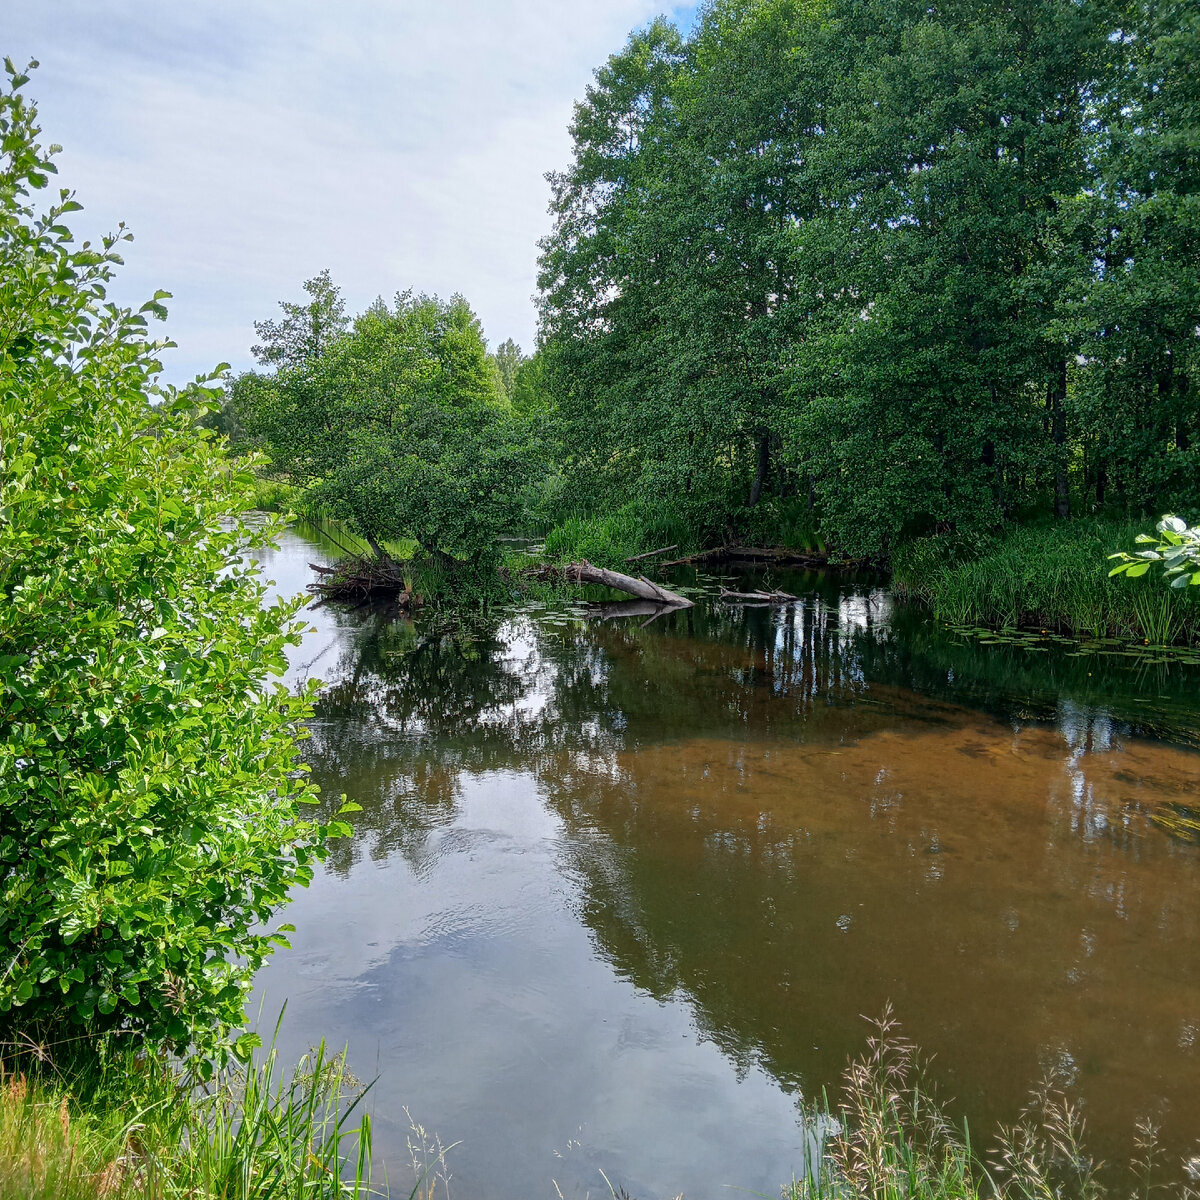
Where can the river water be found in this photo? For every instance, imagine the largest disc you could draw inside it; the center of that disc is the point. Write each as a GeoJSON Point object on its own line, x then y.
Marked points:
{"type": "Point", "coordinates": [621, 894]}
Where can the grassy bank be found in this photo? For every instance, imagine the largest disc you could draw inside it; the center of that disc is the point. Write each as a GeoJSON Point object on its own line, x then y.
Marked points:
{"type": "Point", "coordinates": [138, 1129]}
{"type": "Point", "coordinates": [610, 539]}
{"type": "Point", "coordinates": [1052, 576]}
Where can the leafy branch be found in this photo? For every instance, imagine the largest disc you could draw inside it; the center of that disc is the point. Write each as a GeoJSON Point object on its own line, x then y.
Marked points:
{"type": "Point", "coordinates": [1177, 547]}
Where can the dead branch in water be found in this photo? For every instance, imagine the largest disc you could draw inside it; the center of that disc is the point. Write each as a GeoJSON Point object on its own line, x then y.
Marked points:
{"type": "Point", "coordinates": [584, 572]}
{"type": "Point", "coordinates": [652, 553]}
{"type": "Point", "coordinates": [759, 598]}
{"type": "Point", "coordinates": [361, 576]}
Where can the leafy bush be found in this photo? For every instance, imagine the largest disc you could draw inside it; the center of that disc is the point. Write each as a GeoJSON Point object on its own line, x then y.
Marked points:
{"type": "Point", "coordinates": [148, 762]}
{"type": "Point", "coordinates": [1177, 547]}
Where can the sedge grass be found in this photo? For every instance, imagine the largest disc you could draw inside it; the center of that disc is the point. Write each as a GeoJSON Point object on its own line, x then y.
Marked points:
{"type": "Point", "coordinates": [1049, 576]}
{"type": "Point", "coordinates": [130, 1127]}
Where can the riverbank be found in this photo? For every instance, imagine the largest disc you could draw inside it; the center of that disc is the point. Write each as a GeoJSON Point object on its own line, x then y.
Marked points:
{"type": "Point", "coordinates": [1049, 576]}
{"type": "Point", "coordinates": [120, 1125]}
{"type": "Point", "coordinates": [137, 1130]}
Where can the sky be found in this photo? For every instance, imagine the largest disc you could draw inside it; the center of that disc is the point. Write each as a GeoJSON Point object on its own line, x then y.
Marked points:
{"type": "Point", "coordinates": [250, 143]}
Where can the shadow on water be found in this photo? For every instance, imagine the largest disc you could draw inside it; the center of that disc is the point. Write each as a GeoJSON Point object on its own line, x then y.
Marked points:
{"type": "Point", "coordinates": [621, 890]}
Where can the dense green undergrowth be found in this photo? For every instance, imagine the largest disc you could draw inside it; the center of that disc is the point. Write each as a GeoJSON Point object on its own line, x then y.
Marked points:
{"type": "Point", "coordinates": [1053, 576]}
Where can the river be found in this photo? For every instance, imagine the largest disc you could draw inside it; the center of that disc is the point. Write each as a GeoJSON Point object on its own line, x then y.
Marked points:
{"type": "Point", "coordinates": [621, 894]}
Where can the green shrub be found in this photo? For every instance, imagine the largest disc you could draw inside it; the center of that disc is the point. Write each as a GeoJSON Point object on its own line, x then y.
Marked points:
{"type": "Point", "coordinates": [148, 762]}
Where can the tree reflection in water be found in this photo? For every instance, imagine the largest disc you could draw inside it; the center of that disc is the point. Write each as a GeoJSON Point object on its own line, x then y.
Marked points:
{"type": "Point", "coordinates": [789, 816]}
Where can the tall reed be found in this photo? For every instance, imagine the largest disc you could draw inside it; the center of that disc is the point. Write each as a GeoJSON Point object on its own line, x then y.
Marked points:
{"type": "Point", "coordinates": [1051, 576]}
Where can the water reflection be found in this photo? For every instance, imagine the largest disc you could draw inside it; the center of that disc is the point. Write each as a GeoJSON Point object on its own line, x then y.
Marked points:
{"type": "Point", "coordinates": [643, 878]}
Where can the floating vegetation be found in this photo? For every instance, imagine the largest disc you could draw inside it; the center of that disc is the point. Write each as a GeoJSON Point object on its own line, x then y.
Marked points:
{"type": "Point", "coordinates": [1036, 640]}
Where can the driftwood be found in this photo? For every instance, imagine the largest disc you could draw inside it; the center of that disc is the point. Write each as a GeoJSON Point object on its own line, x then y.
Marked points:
{"type": "Point", "coordinates": [775, 597]}
{"type": "Point", "coordinates": [584, 572]}
{"type": "Point", "coordinates": [652, 553]}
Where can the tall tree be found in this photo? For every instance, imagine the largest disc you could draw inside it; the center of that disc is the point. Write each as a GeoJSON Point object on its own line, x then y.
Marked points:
{"type": "Point", "coordinates": [307, 330]}
{"type": "Point", "coordinates": [398, 427]}
{"type": "Point", "coordinates": [508, 359]}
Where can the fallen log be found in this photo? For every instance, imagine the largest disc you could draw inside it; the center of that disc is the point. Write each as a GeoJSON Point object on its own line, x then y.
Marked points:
{"type": "Point", "coordinates": [652, 553]}
{"type": "Point", "coordinates": [692, 560]}
{"type": "Point", "coordinates": [756, 554]}
{"type": "Point", "coordinates": [643, 589]}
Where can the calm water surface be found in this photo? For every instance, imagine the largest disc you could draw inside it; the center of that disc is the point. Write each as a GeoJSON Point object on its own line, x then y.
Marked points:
{"type": "Point", "coordinates": [621, 894]}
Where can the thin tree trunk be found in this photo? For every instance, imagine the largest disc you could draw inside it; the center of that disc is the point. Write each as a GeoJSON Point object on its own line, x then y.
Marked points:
{"type": "Point", "coordinates": [764, 464]}
{"type": "Point", "coordinates": [1056, 395]}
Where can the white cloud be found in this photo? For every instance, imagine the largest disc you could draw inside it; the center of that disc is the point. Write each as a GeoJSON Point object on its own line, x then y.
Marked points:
{"type": "Point", "coordinates": [248, 145]}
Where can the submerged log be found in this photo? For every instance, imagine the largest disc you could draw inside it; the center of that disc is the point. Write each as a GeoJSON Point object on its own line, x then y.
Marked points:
{"type": "Point", "coordinates": [774, 597]}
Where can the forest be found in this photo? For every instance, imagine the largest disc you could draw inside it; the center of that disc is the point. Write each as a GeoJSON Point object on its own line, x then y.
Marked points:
{"type": "Point", "coordinates": [852, 274]}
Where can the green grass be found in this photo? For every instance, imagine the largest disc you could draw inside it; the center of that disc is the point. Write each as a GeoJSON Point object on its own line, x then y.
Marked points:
{"type": "Point", "coordinates": [138, 1129]}
{"type": "Point", "coordinates": [1053, 576]}
{"type": "Point", "coordinates": [273, 495]}
{"type": "Point", "coordinates": [609, 539]}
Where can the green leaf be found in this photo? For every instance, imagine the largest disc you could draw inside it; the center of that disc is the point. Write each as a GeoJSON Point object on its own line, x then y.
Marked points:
{"type": "Point", "coordinates": [245, 1045]}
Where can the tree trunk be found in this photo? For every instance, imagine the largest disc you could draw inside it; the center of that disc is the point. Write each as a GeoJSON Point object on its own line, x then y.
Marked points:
{"type": "Point", "coordinates": [764, 464]}
{"type": "Point", "coordinates": [1056, 395]}
{"type": "Point", "coordinates": [584, 572]}
{"type": "Point", "coordinates": [379, 552]}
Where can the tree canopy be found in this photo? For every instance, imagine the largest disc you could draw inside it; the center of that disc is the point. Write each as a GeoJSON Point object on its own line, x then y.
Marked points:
{"type": "Point", "coordinates": [402, 426]}
{"type": "Point", "coordinates": [924, 269]}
